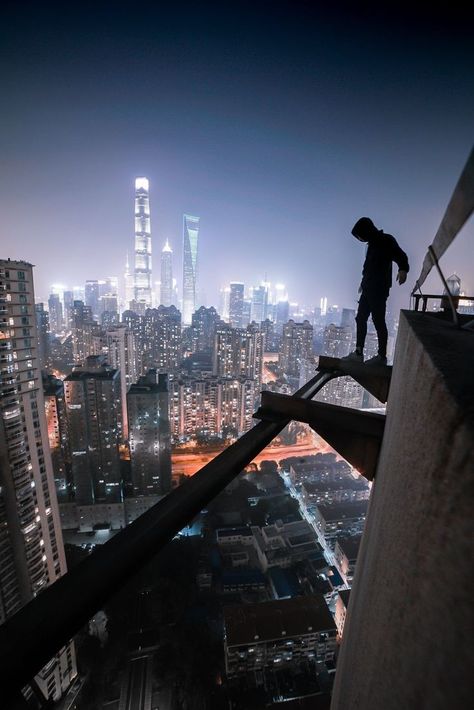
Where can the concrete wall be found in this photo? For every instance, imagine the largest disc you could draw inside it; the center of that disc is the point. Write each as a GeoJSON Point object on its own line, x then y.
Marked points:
{"type": "Point", "coordinates": [407, 639]}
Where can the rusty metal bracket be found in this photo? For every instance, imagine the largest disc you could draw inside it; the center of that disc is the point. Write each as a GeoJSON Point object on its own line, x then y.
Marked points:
{"type": "Point", "coordinates": [356, 435]}
{"type": "Point", "coordinates": [374, 378]}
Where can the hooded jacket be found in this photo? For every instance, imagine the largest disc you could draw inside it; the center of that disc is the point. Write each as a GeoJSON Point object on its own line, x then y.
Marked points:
{"type": "Point", "coordinates": [382, 250]}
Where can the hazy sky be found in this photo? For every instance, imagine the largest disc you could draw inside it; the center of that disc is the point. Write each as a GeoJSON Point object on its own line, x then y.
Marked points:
{"type": "Point", "coordinates": [277, 124]}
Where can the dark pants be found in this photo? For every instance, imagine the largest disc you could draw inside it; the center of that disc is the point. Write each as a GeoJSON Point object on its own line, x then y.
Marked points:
{"type": "Point", "coordinates": [372, 303]}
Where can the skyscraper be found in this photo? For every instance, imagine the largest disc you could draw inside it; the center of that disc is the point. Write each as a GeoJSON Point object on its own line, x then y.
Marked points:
{"type": "Point", "coordinates": [68, 299]}
{"type": "Point", "coordinates": [150, 438]}
{"type": "Point", "coordinates": [190, 266]}
{"type": "Point", "coordinates": [56, 421]}
{"type": "Point", "coordinates": [42, 329]}
{"type": "Point", "coordinates": [236, 304]}
{"type": "Point", "coordinates": [224, 296]}
{"type": "Point", "coordinates": [162, 338]}
{"type": "Point", "coordinates": [31, 547]}
{"type": "Point", "coordinates": [120, 347]}
{"type": "Point", "coordinates": [55, 313]}
{"type": "Point", "coordinates": [91, 297]}
{"type": "Point", "coordinates": [258, 311]}
{"type": "Point", "coordinates": [204, 323]}
{"type": "Point", "coordinates": [166, 288]}
{"type": "Point", "coordinates": [94, 412]}
{"type": "Point", "coordinates": [296, 346]}
{"type": "Point", "coordinates": [143, 280]}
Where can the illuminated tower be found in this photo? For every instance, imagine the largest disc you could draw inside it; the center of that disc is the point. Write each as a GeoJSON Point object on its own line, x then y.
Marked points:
{"type": "Point", "coordinates": [190, 258]}
{"type": "Point", "coordinates": [143, 283]}
{"type": "Point", "coordinates": [166, 289]}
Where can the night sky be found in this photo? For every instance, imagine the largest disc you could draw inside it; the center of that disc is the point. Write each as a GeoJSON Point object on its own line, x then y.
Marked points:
{"type": "Point", "coordinates": [277, 124]}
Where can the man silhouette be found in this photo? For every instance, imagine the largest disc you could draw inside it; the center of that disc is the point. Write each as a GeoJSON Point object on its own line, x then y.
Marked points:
{"type": "Point", "coordinates": [376, 282]}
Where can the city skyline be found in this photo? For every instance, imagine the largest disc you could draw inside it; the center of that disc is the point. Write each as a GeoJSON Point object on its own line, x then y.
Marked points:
{"type": "Point", "coordinates": [209, 441]}
{"type": "Point", "coordinates": [279, 130]}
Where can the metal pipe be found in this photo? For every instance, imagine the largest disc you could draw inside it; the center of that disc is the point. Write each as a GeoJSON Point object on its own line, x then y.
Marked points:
{"type": "Point", "coordinates": [30, 638]}
{"type": "Point", "coordinates": [448, 292]}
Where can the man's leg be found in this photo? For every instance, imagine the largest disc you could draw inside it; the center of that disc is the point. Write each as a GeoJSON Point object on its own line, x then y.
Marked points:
{"type": "Point", "coordinates": [362, 317]}
{"type": "Point", "coordinates": [378, 306]}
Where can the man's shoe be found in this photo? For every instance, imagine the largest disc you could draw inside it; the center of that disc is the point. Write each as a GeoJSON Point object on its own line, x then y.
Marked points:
{"type": "Point", "coordinates": [376, 360]}
{"type": "Point", "coordinates": [353, 357]}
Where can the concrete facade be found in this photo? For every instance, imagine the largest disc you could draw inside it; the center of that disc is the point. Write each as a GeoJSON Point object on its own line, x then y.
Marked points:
{"type": "Point", "coordinates": [407, 639]}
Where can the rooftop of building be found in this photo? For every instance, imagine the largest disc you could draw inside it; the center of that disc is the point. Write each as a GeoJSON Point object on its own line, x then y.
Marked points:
{"type": "Point", "coordinates": [8, 263]}
{"type": "Point", "coordinates": [343, 511]}
{"type": "Point", "coordinates": [350, 546]}
{"type": "Point", "coordinates": [285, 618]}
{"type": "Point", "coordinates": [242, 531]}
{"type": "Point", "coordinates": [86, 374]}
{"type": "Point", "coordinates": [342, 484]}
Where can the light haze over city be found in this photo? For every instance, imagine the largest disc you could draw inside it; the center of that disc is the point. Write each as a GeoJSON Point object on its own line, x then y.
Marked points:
{"type": "Point", "coordinates": [279, 129]}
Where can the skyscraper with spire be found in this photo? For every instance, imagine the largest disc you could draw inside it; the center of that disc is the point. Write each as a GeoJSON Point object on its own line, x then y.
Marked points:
{"type": "Point", "coordinates": [166, 288]}
{"type": "Point", "coordinates": [143, 281]}
{"type": "Point", "coordinates": [190, 264]}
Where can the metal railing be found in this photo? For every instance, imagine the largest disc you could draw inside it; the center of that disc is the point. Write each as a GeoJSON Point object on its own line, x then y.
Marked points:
{"type": "Point", "coordinates": [423, 299]}
{"type": "Point", "coordinates": [30, 638]}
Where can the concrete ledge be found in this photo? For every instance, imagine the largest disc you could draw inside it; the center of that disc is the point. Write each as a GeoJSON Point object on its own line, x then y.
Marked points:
{"type": "Point", "coordinates": [407, 640]}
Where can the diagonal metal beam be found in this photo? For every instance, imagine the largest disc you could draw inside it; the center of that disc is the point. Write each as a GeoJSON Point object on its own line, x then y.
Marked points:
{"type": "Point", "coordinates": [354, 434]}
{"type": "Point", "coordinates": [31, 637]}
{"type": "Point", "coordinates": [374, 378]}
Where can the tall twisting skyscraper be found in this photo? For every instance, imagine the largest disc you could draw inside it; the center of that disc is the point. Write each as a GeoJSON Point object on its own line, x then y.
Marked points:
{"type": "Point", "coordinates": [31, 546]}
{"type": "Point", "coordinates": [166, 289]}
{"type": "Point", "coordinates": [190, 264]}
{"type": "Point", "coordinates": [143, 282]}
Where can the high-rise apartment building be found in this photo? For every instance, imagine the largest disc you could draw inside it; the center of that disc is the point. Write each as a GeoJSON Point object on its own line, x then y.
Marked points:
{"type": "Point", "coordinates": [84, 329]}
{"type": "Point", "coordinates": [236, 304]}
{"type": "Point", "coordinates": [204, 324]}
{"type": "Point", "coordinates": [296, 346]}
{"type": "Point", "coordinates": [190, 266]}
{"type": "Point", "coordinates": [239, 353]}
{"type": "Point", "coordinates": [143, 275]}
{"type": "Point", "coordinates": [343, 391]}
{"type": "Point", "coordinates": [162, 338]}
{"type": "Point", "coordinates": [56, 422]}
{"type": "Point", "coordinates": [150, 438]}
{"type": "Point", "coordinates": [94, 412]}
{"type": "Point", "coordinates": [166, 286]}
{"type": "Point", "coordinates": [337, 340]}
{"type": "Point", "coordinates": [42, 329]}
{"type": "Point", "coordinates": [119, 348]}
{"type": "Point", "coordinates": [211, 406]}
{"type": "Point", "coordinates": [31, 547]}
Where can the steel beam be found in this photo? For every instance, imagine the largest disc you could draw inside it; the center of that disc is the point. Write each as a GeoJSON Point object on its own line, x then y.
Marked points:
{"type": "Point", "coordinates": [30, 638]}
{"type": "Point", "coordinates": [356, 435]}
{"type": "Point", "coordinates": [374, 378]}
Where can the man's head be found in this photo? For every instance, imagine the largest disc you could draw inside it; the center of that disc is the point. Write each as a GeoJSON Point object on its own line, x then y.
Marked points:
{"type": "Point", "coordinates": [364, 229]}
